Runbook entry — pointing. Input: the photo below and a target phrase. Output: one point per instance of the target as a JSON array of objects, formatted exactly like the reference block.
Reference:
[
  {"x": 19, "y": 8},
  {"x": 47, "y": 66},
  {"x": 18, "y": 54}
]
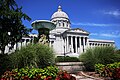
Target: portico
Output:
[{"x": 75, "y": 44}]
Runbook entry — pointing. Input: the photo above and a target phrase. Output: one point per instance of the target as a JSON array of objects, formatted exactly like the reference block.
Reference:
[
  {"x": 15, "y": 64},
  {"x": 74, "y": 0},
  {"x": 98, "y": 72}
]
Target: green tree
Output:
[{"x": 11, "y": 27}]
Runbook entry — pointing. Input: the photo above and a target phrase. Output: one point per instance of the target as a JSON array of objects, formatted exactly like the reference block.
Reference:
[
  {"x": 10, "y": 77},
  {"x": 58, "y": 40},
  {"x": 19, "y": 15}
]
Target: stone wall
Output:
[{"x": 71, "y": 67}]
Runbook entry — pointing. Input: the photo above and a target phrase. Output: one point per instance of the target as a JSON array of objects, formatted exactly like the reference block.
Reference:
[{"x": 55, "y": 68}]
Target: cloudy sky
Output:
[{"x": 99, "y": 17}]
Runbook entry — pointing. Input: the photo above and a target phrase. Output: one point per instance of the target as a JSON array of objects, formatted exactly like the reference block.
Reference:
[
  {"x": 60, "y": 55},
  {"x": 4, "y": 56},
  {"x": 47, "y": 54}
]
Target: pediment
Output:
[{"x": 77, "y": 30}]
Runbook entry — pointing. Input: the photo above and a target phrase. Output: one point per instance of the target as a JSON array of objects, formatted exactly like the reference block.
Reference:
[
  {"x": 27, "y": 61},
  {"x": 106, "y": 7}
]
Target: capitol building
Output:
[
  {"x": 71, "y": 41},
  {"x": 66, "y": 40}
]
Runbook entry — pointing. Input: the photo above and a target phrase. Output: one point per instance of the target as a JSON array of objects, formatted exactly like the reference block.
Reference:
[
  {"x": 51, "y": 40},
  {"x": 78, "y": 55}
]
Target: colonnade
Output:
[
  {"x": 18, "y": 45},
  {"x": 75, "y": 44},
  {"x": 100, "y": 44}
]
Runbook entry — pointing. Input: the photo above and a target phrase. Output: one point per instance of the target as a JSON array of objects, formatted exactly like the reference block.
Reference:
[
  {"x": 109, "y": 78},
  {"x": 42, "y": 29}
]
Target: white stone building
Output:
[
  {"x": 64, "y": 39},
  {"x": 68, "y": 41},
  {"x": 23, "y": 42}
]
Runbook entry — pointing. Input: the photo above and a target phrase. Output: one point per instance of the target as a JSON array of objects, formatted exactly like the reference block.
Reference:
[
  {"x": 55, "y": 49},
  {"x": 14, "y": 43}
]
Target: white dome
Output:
[{"x": 59, "y": 14}]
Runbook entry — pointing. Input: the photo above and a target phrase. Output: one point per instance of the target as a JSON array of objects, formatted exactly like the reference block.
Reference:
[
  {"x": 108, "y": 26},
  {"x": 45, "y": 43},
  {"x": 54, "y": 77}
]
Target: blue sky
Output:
[{"x": 99, "y": 17}]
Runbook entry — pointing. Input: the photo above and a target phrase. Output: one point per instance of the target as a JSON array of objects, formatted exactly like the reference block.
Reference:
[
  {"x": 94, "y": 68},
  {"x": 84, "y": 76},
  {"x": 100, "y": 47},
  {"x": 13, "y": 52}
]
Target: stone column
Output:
[
  {"x": 102, "y": 45},
  {"x": 84, "y": 43},
  {"x": 87, "y": 42},
  {"x": 80, "y": 45},
  {"x": 94, "y": 45},
  {"x": 67, "y": 47},
  {"x": 50, "y": 43},
  {"x": 72, "y": 44},
  {"x": 24, "y": 42},
  {"x": 76, "y": 44},
  {"x": 65, "y": 43}
]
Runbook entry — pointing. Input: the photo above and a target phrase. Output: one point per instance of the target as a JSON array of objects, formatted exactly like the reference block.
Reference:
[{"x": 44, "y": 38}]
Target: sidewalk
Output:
[
  {"x": 85, "y": 77},
  {"x": 81, "y": 77}
]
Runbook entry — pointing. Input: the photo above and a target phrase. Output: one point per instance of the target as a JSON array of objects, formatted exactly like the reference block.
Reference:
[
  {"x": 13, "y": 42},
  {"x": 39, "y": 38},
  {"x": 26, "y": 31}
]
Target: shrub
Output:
[
  {"x": 103, "y": 55},
  {"x": 4, "y": 63},
  {"x": 48, "y": 73},
  {"x": 117, "y": 55},
  {"x": 31, "y": 73},
  {"x": 66, "y": 59},
  {"x": 34, "y": 55},
  {"x": 110, "y": 70},
  {"x": 117, "y": 51},
  {"x": 99, "y": 68},
  {"x": 63, "y": 75}
]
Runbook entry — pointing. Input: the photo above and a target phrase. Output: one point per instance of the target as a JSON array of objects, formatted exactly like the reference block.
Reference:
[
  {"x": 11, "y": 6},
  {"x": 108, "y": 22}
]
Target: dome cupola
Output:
[
  {"x": 59, "y": 14},
  {"x": 61, "y": 19}
]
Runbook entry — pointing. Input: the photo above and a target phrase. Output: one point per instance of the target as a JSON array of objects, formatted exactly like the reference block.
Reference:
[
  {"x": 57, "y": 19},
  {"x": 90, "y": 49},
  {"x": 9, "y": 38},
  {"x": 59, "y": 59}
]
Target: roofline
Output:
[
  {"x": 99, "y": 40},
  {"x": 78, "y": 28},
  {"x": 59, "y": 17}
]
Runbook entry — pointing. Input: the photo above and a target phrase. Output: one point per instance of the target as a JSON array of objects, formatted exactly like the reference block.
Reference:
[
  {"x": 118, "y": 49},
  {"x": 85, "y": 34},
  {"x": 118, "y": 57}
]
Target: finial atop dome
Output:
[
  {"x": 59, "y": 14},
  {"x": 59, "y": 8}
]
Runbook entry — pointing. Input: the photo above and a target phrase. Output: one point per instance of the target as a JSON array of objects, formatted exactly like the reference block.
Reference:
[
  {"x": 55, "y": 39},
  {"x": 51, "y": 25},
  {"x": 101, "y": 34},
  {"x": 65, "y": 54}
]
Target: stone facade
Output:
[{"x": 71, "y": 42}]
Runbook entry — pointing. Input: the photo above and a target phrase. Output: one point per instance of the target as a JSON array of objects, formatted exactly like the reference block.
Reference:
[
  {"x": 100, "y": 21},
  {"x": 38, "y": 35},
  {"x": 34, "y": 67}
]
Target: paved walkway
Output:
[
  {"x": 85, "y": 77},
  {"x": 81, "y": 77}
]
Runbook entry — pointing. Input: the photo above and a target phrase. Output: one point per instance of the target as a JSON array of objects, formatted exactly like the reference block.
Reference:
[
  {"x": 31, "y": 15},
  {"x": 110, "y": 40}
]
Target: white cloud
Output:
[
  {"x": 95, "y": 24},
  {"x": 113, "y": 34},
  {"x": 94, "y": 34},
  {"x": 110, "y": 35},
  {"x": 115, "y": 13}
]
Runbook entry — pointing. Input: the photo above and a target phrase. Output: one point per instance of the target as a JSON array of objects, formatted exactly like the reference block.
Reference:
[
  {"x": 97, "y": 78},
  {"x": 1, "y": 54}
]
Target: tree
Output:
[{"x": 11, "y": 27}]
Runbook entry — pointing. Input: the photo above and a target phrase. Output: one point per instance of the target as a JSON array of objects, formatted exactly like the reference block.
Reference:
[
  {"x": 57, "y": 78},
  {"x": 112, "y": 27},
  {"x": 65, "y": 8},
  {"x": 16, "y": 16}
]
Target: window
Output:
[
  {"x": 63, "y": 24},
  {"x": 59, "y": 24}
]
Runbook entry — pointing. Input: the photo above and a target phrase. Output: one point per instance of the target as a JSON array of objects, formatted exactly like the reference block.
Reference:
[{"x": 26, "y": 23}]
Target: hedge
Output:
[{"x": 66, "y": 59}]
